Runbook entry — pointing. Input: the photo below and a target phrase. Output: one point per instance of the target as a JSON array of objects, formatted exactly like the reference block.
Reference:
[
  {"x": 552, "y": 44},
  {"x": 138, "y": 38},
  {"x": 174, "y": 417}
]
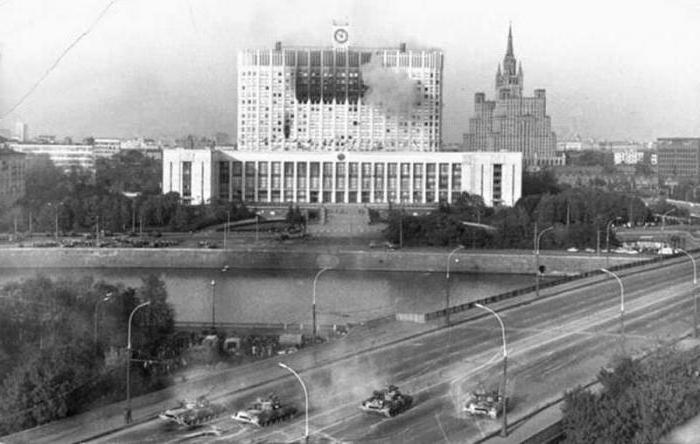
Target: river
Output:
[{"x": 284, "y": 296}]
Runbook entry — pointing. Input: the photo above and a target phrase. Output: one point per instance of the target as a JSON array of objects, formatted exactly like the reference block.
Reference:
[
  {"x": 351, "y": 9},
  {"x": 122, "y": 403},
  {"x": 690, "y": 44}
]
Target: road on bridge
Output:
[{"x": 555, "y": 343}]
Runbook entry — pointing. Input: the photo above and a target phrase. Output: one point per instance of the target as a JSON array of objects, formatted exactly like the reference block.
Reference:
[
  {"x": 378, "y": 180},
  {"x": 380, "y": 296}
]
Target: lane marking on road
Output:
[
  {"x": 444, "y": 435},
  {"x": 603, "y": 316}
]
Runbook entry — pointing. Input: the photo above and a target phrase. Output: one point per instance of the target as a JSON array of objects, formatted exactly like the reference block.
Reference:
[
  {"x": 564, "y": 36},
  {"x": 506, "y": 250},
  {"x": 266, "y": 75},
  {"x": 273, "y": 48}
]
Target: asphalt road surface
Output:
[{"x": 554, "y": 344}]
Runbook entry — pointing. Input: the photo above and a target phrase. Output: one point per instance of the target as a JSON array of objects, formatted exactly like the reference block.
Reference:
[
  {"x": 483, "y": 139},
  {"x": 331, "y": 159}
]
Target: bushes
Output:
[
  {"x": 50, "y": 366},
  {"x": 640, "y": 402}
]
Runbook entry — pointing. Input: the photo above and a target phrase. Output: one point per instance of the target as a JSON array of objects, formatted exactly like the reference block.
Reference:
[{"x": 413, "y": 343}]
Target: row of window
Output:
[
  {"x": 349, "y": 58},
  {"x": 353, "y": 174}
]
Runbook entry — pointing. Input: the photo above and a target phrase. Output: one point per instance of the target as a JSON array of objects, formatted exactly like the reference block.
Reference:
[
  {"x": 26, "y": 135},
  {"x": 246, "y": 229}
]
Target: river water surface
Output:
[{"x": 284, "y": 296}]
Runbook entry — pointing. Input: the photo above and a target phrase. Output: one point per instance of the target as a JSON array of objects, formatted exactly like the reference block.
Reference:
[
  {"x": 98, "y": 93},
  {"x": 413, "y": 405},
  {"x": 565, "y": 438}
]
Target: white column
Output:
[
  {"x": 243, "y": 184},
  {"x": 320, "y": 181},
  {"x": 282, "y": 181},
  {"x": 410, "y": 181},
  {"x": 308, "y": 181},
  {"x": 334, "y": 184},
  {"x": 294, "y": 181},
  {"x": 371, "y": 183},
  {"x": 386, "y": 182},
  {"x": 424, "y": 181},
  {"x": 256, "y": 183},
  {"x": 449, "y": 182},
  {"x": 398, "y": 182}
]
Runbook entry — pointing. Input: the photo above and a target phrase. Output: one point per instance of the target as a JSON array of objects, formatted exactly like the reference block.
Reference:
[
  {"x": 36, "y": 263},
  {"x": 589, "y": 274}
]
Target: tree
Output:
[
  {"x": 128, "y": 170},
  {"x": 49, "y": 367},
  {"x": 640, "y": 402},
  {"x": 541, "y": 182},
  {"x": 157, "y": 322},
  {"x": 49, "y": 384}
]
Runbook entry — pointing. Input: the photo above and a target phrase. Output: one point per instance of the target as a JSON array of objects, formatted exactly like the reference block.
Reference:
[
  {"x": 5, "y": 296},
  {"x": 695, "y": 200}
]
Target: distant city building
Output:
[
  {"x": 21, "y": 132},
  {"x": 149, "y": 147},
  {"x": 625, "y": 152},
  {"x": 339, "y": 98},
  {"x": 380, "y": 178},
  {"x": 654, "y": 158},
  {"x": 512, "y": 122},
  {"x": 44, "y": 138},
  {"x": 106, "y": 147},
  {"x": 12, "y": 176},
  {"x": 64, "y": 157},
  {"x": 579, "y": 176},
  {"x": 575, "y": 145},
  {"x": 679, "y": 159}
]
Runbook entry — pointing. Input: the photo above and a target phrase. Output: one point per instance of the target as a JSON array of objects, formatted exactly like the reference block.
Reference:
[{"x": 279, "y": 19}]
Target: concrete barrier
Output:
[
  {"x": 429, "y": 316},
  {"x": 466, "y": 261},
  {"x": 419, "y": 318}
]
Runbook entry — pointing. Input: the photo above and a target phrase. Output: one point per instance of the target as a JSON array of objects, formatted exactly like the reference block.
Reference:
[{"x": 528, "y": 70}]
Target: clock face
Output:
[{"x": 340, "y": 35}]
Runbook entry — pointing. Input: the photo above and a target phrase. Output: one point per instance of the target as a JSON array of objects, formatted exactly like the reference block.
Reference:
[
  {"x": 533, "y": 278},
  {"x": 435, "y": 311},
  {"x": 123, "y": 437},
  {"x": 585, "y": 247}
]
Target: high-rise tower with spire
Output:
[
  {"x": 512, "y": 122},
  {"x": 509, "y": 81}
]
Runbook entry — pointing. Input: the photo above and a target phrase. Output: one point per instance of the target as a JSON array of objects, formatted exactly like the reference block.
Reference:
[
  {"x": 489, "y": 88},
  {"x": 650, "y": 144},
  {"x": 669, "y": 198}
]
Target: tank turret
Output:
[
  {"x": 192, "y": 413},
  {"x": 388, "y": 402},
  {"x": 265, "y": 411}
]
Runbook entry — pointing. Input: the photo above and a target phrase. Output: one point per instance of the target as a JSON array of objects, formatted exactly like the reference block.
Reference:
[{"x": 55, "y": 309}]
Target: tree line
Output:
[
  {"x": 52, "y": 359},
  {"x": 580, "y": 218},
  {"x": 641, "y": 401},
  {"x": 122, "y": 195}
]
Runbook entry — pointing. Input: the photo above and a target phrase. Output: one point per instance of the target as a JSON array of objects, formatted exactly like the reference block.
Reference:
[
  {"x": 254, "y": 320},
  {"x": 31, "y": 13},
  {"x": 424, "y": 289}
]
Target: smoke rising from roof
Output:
[{"x": 392, "y": 91}]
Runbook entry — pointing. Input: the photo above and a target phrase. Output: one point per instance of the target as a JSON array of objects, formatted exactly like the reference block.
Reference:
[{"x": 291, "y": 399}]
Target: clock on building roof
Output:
[{"x": 341, "y": 35}]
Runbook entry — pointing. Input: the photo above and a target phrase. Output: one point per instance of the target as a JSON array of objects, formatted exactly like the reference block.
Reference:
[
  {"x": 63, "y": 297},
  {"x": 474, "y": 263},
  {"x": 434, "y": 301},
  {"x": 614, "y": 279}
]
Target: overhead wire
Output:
[{"x": 58, "y": 59}]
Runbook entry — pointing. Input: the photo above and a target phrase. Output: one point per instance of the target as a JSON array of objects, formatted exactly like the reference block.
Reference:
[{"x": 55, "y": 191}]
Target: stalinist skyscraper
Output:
[{"x": 512, "y": 122}]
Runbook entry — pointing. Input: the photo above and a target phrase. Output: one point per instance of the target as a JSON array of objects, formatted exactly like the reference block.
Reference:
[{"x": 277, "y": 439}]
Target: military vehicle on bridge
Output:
[
  {"x": 484, "y": 403},
  {"x": 388, "y": 402},
  {"x": 265, "y": 411},
  {"x": 192, "y": 413}
]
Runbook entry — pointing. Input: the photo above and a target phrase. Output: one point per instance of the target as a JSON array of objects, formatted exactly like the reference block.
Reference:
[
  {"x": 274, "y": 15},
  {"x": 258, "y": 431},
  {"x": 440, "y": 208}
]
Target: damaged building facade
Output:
[{"x": 339, "y": 98}]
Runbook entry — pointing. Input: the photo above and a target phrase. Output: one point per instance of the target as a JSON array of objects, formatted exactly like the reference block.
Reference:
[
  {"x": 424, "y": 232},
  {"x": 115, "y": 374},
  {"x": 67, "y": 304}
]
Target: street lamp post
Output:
[
  {"x": 695, "y": 297},
  {"x": 447, "y": 283},
  {"x": 132, "y": 197},
  {"x": 55, "y": 207},
  {"x": 306, "y": 398},
  {"x": 622, "y": 304},
  {"x": 228, "y": 222},
  {"x": 127, "y": 411},
  {"x": 257, "y": 228},
  {"x": 504, "y": 430},
  {"x": 607, "y": 241},
  {"x": 97, "y": 304},
  {"x": 313, "y": 302},
  {"x": 663, "y": 218},
  {"x": 537, "y": 259},
  {"x": 213, "y": 304}
]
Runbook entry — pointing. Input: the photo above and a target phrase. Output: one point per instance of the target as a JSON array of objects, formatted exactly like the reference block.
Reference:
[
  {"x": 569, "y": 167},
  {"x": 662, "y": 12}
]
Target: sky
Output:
[{"x": 615, "y": 70}]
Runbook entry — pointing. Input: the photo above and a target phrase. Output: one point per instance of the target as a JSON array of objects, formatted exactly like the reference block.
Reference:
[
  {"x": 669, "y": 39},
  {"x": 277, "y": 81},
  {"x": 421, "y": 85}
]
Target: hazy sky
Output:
[{"x": 612, "y": 69}]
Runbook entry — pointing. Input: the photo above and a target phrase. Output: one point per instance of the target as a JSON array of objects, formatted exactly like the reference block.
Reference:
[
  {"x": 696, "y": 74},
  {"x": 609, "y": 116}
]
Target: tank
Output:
[
  {"x": 484, "y": 403},
  {"x": 191, "y": 413},
  {"x": 388, "y": 402},
  {"x": 265, "y": 411}
]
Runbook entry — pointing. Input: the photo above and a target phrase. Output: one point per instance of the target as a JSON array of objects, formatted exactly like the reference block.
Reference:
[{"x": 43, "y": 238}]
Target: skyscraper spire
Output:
[{"x": 509, "y": 50}]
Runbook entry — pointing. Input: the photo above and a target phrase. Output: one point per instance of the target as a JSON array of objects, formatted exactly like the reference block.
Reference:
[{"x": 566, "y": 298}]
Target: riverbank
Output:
[{"x": 302, "y": 256}]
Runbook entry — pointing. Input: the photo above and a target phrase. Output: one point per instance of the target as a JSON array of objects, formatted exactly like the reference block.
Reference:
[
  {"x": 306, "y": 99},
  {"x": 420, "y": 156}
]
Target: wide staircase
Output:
[{"x": 343, "y": 221}]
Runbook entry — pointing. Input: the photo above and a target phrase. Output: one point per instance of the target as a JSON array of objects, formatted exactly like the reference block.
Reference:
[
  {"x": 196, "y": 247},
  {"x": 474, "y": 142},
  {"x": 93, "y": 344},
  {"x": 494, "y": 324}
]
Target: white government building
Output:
[
  {"x": 342, "y": 125},
  {"x": 204, "y": 175}
]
